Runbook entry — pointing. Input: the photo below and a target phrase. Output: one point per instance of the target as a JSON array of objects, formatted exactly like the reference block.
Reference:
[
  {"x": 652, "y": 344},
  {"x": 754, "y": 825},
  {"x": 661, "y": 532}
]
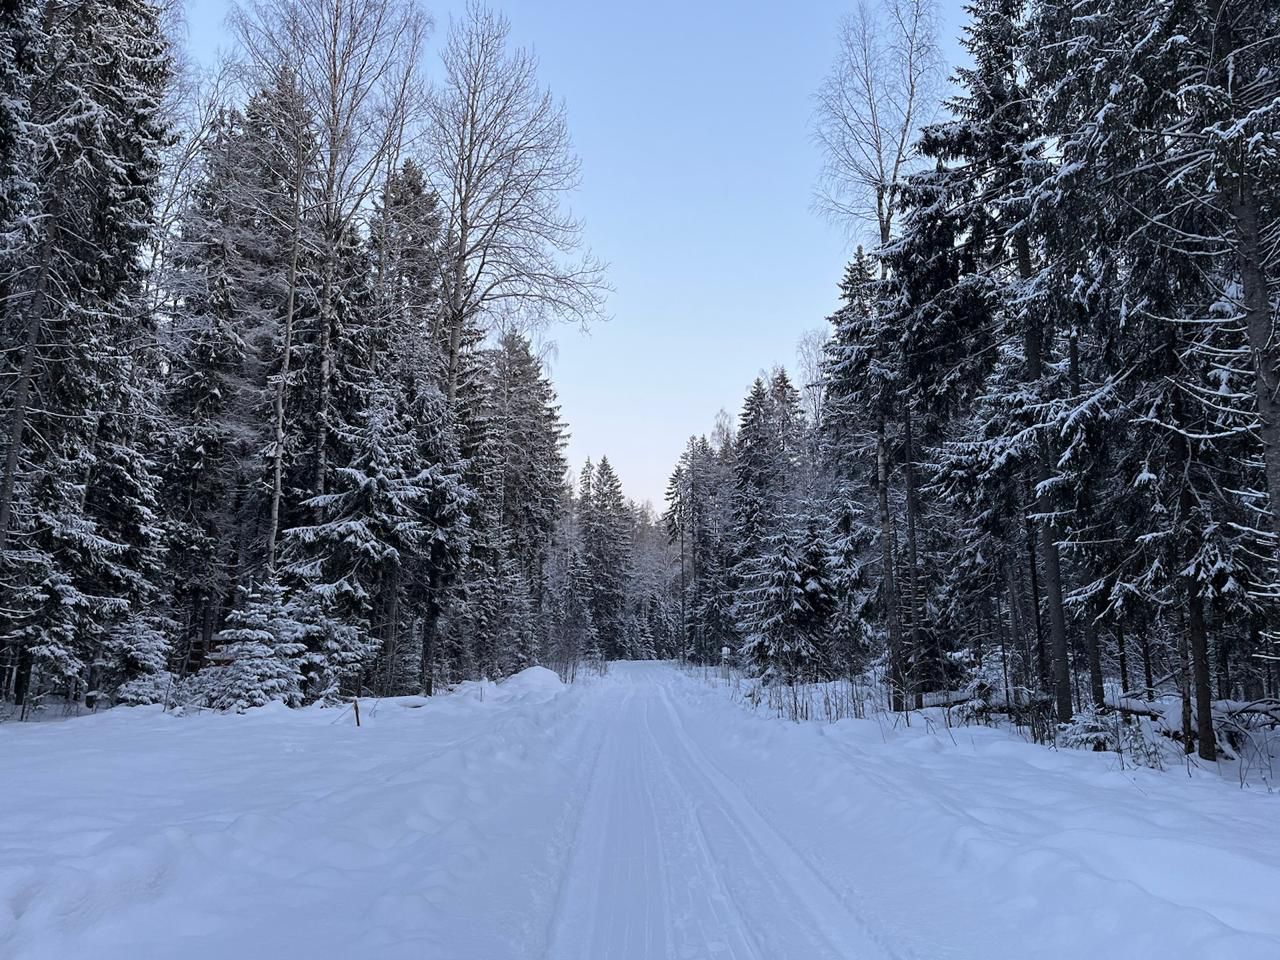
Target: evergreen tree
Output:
[
  {"x": 89, "y": 86},
  {"x": 259, "y": 655},
  {"x": 607, "y": 539}
]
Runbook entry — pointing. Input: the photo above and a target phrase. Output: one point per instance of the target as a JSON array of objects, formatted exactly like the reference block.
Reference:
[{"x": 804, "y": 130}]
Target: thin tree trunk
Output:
[
  {"x": 1184, "y": 686},
  {"x": 896, "y": 677},
  {"x": 277, "y": 452},
  {"x": 1198, "y": 647},
  {"x": 1015, "y": 624},
  {"x": 457, "y": 318},
  {"x": 1033, "y": 573},
  {"x": 1093, "y": 654},
  {"x": 1053, "y": 596},
  {"x": 913, "y": 564},
  {"x": 1148, "y": 672},
  {"x": 1223, "y": 660},
  {"x": 326, "y": 378},
  {"x": 1124, "y": 659},
  {"x": 430, "y": 626},
  {"x": 21, "y": 390},
  {"x": 1258, "y": 322}
]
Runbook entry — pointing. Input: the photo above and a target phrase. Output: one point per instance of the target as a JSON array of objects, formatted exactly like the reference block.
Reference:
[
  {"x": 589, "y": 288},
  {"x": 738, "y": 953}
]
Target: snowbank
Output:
[
  {"x": 995, "y": 847},
  {"x": 533, "y": 682},
  {"x": 135, "y": 834}
]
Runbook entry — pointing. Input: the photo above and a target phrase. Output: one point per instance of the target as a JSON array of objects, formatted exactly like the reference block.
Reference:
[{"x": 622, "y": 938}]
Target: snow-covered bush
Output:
[
  {"x": 1144, "y": 745},
  {"x": 146, "y": 689},
  {"x": 258, "y": 657},
  {"x": 1090, "y": 730},
  {"x": 137, "y": 652}
]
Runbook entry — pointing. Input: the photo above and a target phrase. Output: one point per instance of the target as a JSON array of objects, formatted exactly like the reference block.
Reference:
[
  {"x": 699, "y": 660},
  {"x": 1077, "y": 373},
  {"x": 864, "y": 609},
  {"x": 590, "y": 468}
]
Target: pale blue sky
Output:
[{"x": 692, "y": 121}]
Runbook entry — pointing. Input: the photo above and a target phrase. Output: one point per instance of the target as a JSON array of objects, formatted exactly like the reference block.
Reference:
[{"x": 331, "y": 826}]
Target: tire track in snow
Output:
[
  {"x": 578, "y": 897},
  {"x": 849, "y": 934},
  {"x": 751, "y": 948}
]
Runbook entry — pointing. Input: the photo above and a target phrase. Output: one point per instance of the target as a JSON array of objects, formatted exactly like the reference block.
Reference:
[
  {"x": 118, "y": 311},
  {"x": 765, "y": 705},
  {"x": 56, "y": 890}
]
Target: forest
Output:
[
  {"x": 278, "y": 423},
  {"x": 1033, "y": 463}
]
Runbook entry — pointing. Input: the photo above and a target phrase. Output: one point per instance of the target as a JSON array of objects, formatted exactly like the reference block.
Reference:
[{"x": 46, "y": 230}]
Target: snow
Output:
[{"x": 639, "y": 815}]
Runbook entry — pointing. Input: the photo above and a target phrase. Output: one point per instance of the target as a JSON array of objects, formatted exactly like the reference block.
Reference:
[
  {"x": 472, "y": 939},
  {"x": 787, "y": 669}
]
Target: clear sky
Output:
[{"x": 692, "y": 121}]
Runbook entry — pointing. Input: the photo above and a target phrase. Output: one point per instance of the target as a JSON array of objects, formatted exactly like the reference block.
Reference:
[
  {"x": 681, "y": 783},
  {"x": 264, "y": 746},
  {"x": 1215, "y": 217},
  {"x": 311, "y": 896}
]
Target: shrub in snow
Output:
[
  {"x": 146, "y": 689},
  {"x": 134, "y": 663},
  {"x": 1090, "y": 730},
  {"x": 1135, "y": 739},
  {"x": 1144, "y": 745},
  {"x": 258, "y": 657}
]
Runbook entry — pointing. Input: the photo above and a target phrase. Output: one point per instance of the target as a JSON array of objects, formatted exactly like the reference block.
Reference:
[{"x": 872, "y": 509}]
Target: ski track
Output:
[{"x": 639, "y": 816}]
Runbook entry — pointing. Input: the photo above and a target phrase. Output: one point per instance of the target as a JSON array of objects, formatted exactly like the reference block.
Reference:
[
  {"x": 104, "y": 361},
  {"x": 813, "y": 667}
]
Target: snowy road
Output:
[
  {"x": 672, "y": 860},
  {"x": 641, "y": 816}
]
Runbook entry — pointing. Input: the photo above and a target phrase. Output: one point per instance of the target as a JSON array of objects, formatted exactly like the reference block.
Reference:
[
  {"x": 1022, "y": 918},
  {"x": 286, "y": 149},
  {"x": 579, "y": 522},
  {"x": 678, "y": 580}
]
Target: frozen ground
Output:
[{"x": 643, "y": 815}]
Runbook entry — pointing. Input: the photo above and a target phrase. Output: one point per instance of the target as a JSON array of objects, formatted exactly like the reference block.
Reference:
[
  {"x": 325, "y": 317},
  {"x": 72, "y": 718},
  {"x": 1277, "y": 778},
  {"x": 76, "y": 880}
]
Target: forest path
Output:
[{"x": 670, "y": 859}]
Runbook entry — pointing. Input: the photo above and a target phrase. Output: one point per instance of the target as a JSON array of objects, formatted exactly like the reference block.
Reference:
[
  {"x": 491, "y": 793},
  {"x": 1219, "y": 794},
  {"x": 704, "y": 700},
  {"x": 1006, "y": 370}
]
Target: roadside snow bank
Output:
[
  {"x": 995, "y": 847},
  {"x": 533, "y": 682},
  {"x": 136, "y": 834}
]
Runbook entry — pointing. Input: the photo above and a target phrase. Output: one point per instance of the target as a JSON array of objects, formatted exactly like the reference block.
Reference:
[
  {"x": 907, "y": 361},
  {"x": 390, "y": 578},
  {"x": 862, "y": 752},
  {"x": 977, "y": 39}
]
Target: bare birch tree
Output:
[
  {"x": 883, "y": 87},
  {"x": 355, "y": 64},
  {"x": 502, "y": 161}
]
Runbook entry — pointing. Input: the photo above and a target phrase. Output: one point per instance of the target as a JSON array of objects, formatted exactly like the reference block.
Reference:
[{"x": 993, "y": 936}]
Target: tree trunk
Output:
[
  {"x": 1049, "y": 541},
  {"x": 21, "y": 389},
  {"x": 457, "y": 312},
  {"x": 1200, "y": 674},
  {"x": 430, "y": 626},
  {"x": 1148, "y": 672},
  {"x": 1033, "y": 575},
  {"x": 1053, "y": 596},
  {"x": 1094, "y": 656},
  {"x": 1124, "y": 659},
  {"x": 889, "y": 585},
  {"x": 1019, "y": 634},
  {"x": 22, "y": 678},
  {"x": 1257, "y": 310},
  {"x": 921, "y": 655},
  {"x": 1184, "y": 687},
  {"x": 326, "y": 378},
  {"x": 1194, "y": 642},
  {"x": 277, "y": 451}
]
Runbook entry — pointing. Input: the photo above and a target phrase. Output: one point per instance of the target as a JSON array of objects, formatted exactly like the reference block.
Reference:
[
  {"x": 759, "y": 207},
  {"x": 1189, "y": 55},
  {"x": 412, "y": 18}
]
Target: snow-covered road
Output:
[
  {"x": 635, "y": 817},
  {"x": 671, "y": 859}
]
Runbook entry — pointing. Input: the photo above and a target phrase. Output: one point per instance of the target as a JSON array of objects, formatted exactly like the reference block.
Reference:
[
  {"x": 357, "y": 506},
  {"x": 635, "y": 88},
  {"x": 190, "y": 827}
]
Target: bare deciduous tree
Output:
[
  {"x": 502, "y": 162},
  {"x": 881, "y": 90},
  {"x": 355, "y": 65},
  {"x": 883, "y": 87},
  {"x": 810, "y": 352}
]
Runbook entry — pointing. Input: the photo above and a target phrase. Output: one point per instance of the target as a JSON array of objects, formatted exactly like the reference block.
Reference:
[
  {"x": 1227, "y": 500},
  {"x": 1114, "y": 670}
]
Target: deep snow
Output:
[{"x": 640, "y": 815}]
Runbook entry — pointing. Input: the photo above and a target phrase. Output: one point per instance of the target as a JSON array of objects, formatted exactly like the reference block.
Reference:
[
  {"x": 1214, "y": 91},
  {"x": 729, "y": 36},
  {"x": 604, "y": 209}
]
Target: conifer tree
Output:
[{"x": 259, "y": 655}]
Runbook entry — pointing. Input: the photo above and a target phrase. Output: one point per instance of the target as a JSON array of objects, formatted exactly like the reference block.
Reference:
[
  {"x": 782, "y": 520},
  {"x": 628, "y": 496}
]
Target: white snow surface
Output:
[{"x": 638, "y": 816}]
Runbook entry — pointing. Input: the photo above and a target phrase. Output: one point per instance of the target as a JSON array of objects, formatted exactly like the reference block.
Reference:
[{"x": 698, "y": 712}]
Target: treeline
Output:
[
  {"x": 1043, "y": 454},
  {"x": 272, "y": 430}
]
